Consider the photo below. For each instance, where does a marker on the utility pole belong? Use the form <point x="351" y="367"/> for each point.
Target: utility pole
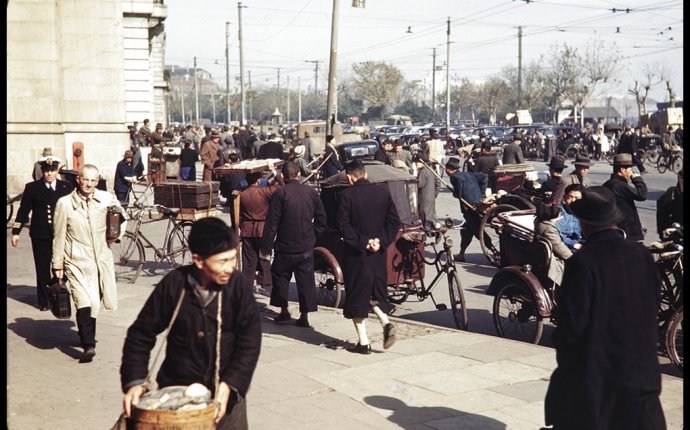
<point x="287" y="118"/>
<point x="243" y="117"/>
<point x="249" y="76"/>
<point x="299" y="99"/>
<point x="278" y="89"/>
<point x="433" y="86"/>
<point x="227" y="71"/>
<point x="448" y="81"/>
<point x="196" y="92"/>
<point x="519" y="94"/>
<point x="182" y="98"/>
<point x="316" y="74"/>
<point x="213" y="103"/>
<point x="331" y="97"/>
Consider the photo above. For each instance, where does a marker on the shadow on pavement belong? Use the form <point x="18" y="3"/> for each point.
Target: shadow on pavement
<point x="48" y="334"/>
<point x="413" y="417"/>
<point x="23" y="294"/>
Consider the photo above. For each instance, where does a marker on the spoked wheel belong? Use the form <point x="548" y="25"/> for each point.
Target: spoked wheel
<point x="457" y="301"/>
<point x="489" y="233"/>
<point x="674" y="338"/>
<point x="397" y="294"/>
<point x="677" y="164"/>
<point x="515" y="313"/>
<point x="328" y="291"/>
<point x="641" y="155"/>
<point x="129" y="258"/>
<point x="178" y="245"/>
<point x="10" y="209"/>
<point x="661" y="164"/>
<point x="571" y="152"/>
<point x="651" y="156"/>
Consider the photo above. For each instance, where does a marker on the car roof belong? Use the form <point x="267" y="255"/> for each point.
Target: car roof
<point x="377" y="172"/>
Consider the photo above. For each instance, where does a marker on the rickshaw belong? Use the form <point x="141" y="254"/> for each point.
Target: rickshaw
<point x="403" y="276"/>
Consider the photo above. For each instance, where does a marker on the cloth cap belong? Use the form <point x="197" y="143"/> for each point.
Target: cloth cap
<point x="517" y="136"/>
<point x="128" y="154"/>
<point x="597" y="207"/>
<point x="453" y="164"/>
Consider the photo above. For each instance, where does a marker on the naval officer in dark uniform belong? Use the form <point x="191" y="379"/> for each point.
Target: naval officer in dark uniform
<point x="39" y="199"/>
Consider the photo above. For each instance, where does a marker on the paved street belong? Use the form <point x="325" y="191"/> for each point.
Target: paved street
<point x="434" y="377"/>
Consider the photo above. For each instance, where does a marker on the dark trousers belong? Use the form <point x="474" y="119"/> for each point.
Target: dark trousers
<point x="43" y="253"/>
<point x="282" y="269"/>
<point x="122" y="196"/>
<point x="250" y="259"/>
<point x="87" y="327"/>
<point x="188" y="173"/>
<point x="469" y="230"/>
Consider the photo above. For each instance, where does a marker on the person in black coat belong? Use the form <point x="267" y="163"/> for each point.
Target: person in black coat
<point x="512" y="152"/>
<point x="199" y="289"/>
<point x="296" y="218"/>
<point x="271" y="149"/>
<point x="555" y="184"/>
<point x="608" y="375"/>
<point x="39" y="199"/>
<point x="333" y="166"/>
<point x="124" y="176"/>
<point x="627" y="195"/>
<point x="368" y="222"/>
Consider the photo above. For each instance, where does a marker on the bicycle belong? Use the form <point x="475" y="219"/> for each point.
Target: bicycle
<point x="10" y="205"/>
<point x="670" y="161"/>
<point x="412" y="264"/>
<point x="129" y="251"/>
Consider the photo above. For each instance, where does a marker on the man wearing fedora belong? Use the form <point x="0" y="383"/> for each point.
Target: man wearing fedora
<point x="39" y="199"/>
<point x="512" y="152"/>
<point x="555" y="184"/>
<point x="608" y="374"/>
<point x="626" y="195"/>
<point x="125" y="175"/>
<point x="579" y="175"/>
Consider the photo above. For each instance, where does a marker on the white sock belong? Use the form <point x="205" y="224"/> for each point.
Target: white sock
<point x="381" y="315"/>
<point x="361" y="330"/>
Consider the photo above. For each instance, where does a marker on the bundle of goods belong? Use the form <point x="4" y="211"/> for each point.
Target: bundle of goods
<point x="248" y="166"/>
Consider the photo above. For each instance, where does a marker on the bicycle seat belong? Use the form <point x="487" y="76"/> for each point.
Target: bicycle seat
<point x="414" y="236"/>
<point x="169" y="213"/>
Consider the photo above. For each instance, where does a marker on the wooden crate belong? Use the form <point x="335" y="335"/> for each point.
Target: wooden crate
<point x="187" y="194"/>
<point x="196" y="214"/>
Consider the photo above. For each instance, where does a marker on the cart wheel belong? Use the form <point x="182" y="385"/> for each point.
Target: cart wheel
<point x="515" y="313"/>
<point x="329" y="292"/>
<point x="489" y="231"/>
<point x="674" y="338"/>
<point x="129" y="258"/>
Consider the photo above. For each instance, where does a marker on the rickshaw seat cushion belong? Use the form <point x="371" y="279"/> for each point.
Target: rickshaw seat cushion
<point x="518" y="250"/>
<point x="509" y="182"/>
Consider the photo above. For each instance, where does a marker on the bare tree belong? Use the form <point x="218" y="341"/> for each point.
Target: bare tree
<point x="598" y="67"/>
<point x="493" y="96"/>
<point x="561" y="79"/>
<point x="641" y="88"/>
<point x="377" y="83"/>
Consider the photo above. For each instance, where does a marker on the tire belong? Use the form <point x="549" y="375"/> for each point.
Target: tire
<point x="329" y="292"/>
<point x="129" y="258"/>
<point x="570" y="152"/>
<point x="488" y="232"/>
<point x="515" y="313"/>
<point x="652" y="156"/>
<point x="661" y="165"/>
<point x="457" y="301"/>
<point x="674" y="339"/>
<point x="641" y="155"/>
<point x="178" y="246"/>
<point x="677" y="164"/>
<point x="10" y="210"/>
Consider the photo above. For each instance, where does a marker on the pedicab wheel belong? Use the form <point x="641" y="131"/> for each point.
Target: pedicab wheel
<point x="515" y="313"/>
<point x="457" y="301"/>
<point x="398" y="293"/>
<point x="677" y="164"/>
<point x="129" y="258"/>
<point x="489" y="230"/>
<point x="661" y="165"/>
<point x="329" y="292"/>
<point x="674" y="339"/>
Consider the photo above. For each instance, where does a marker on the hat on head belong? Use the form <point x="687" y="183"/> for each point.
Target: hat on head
<point x="597" y="207"/>
<point x="517" y="136"/>
<point x="159" y="125"/>
<point x="299" y="150"/>
<point x="557" y="162"/>
<point x="453" y="164"/>
<point x="432" y="131"/>
<point x="420" y="156"/>
<point x="49" y="162"/>
<point x="47" y="152"/>
<point x="128" y="154"/>
<point x="214" y="134"/>
<point x="582" y="160"/>
<point x="623" y="160"/>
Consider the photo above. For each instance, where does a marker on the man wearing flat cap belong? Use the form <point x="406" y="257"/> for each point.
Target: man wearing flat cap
<point x="39" y="199"/>
<point x="512" y="152"/>
<point x="608" y="374"/>
<point x="626" y="195"/>
<point x="124" y="177"/>
<point x="555" y="184"/>
<point x="579" y="175"/>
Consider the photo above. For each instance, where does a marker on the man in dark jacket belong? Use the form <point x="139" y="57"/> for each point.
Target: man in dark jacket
<point x="198" y="290"/>
<point x="124" y="177"/>
<point x="271" y="149"/>
<point x="627" y="195"/>
<point x="608" y="374"/>
<point x="669" y="206"/>
<point x="38" y="199"/>
<point x="555" y="184"/>
<point x="333" y="165"/>
<point x="368" y="222"/>
<point x="627" y="144"/>
<point x="296" y="218"/>
<point x="512" y="152"/>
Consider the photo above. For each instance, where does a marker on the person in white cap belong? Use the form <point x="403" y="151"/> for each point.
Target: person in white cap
<point x="38" y="168"/>
<point x="299" y="159"/>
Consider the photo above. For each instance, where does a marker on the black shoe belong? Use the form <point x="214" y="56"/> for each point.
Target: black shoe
<point x="360" y="349"/>
<point x="283" y="317"/>
<point x="388" y="335"/>
<point x="302" y="322"/>
<point x="87" y="355"/>
<point x="460" y="258"/>
<point x="261" y="291"/>
<point x="43" y="308"/>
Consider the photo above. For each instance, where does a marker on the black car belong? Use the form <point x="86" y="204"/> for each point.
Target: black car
<point x="357" y="150"/>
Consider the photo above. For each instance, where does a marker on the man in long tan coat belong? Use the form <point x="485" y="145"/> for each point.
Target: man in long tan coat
<point x="209" y="155"/>
<point x="81" y="253"/>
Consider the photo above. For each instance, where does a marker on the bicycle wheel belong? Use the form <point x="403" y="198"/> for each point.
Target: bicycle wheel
<point x="328" y="291"/>
<point x="570" y="152"/>
<point x="457" y="301"/>
<point x="489" y="233"/>
<point x="651" y="156"/>
<point x="178" y="247"/>
<point x="10" y="210"/>
<point x="677" y="164"/>
<point x="515" y="313"/>
<point x="641" y="155"/>
<point x="674" y="338"/>
<point x="129" y="258"/>
<point x="661" y="164"/>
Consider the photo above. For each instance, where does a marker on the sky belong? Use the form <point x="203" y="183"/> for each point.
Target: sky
<point x="282" y="40"/>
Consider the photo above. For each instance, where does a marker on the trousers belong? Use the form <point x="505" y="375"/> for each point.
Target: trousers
<point x="43" y="253"/>
<point x="302" y="266"/>
<point x="86" y="325"/>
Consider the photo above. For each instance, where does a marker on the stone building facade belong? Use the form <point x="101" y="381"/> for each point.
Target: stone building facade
<point x="81" y="71"/>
